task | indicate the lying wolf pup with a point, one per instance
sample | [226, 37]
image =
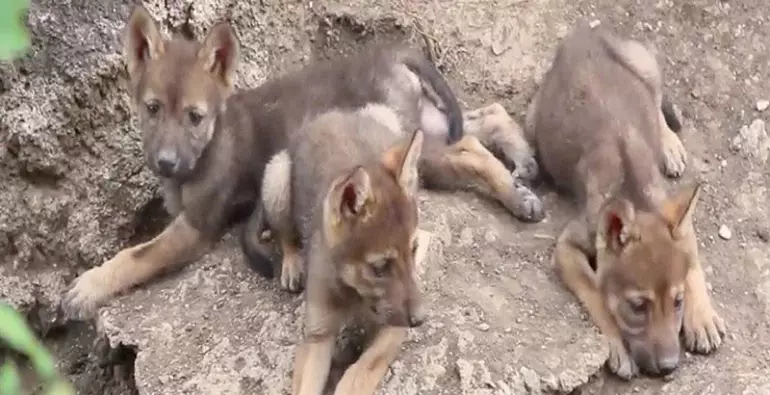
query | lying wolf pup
[603, 130]
[347, 188]
[209, 144]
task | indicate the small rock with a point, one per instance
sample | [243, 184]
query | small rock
[594, 23]
[725, 233]
[762, 105]
[483, 327]
[763, 235]
[531, 380]
[752, 141]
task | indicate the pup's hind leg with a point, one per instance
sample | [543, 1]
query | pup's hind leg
[641, 60]
[364, 376]
[468, 164]
[496, 130]
[575, 271]
[276, 199]
[674, 154]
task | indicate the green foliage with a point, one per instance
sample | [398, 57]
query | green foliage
[14, 37]
[16, 335]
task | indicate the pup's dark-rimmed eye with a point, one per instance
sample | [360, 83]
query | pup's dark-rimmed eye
[638, 306]
[152, 107]
[195, 117]
[679, 301]
[382, 268]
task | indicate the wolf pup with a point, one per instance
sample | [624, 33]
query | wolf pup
[347, 186]
[209, 145]
[602, 130]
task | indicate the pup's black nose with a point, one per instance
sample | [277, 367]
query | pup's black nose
[167, 163]
[667, 366]
[415, 320]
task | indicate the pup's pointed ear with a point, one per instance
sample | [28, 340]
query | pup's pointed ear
[616, 227]
[350, 197]
[221, 53]
[403, 160]
[142, 40]
[678, 209]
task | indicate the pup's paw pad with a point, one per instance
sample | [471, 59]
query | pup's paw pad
[292, 274]
[526, 205]
[620, 362]
[675, 156]
[704, 330]
[84, 296]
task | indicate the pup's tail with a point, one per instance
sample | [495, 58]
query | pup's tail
[258, 257]
[430, 76]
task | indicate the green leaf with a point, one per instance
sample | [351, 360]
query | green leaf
[16, 334]
[10, 383]
[14, 36]
[60, 387]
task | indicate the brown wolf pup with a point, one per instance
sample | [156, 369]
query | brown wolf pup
[599, 125]
[209, 144]
[347, 187]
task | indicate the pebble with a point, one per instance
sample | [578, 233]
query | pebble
[483, 327]
[762, 105]
[725, 232]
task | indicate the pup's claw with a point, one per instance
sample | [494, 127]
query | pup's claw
[704, 330]
[620, 362]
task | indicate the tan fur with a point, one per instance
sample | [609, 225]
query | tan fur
[600, 125]
[356, 215]
[179, 243]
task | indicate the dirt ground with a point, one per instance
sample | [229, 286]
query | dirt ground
[500, 315]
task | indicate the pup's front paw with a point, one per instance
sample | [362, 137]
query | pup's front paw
[703, 328]
[85, 295]
[620, 362]
[674, 155]
[525, 204]
[352, 381]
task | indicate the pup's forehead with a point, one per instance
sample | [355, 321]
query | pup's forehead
[652, 268]
[176, 76]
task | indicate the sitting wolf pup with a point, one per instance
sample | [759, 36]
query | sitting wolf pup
[602, 130]
[348, 188]
[209, 145]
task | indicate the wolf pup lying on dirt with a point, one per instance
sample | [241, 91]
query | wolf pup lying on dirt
[209, 145]
[603, 130]
[347, 187]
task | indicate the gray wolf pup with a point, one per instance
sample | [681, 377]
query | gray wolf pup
[602, 130]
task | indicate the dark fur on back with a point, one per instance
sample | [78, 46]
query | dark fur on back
[345, 83]
[258, 121]
[586, 112]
